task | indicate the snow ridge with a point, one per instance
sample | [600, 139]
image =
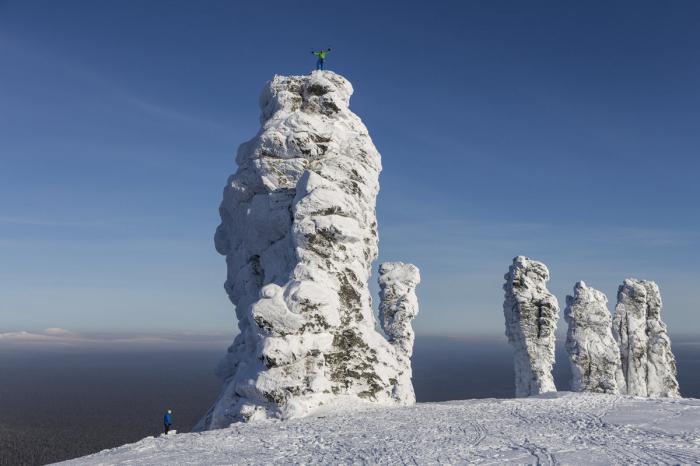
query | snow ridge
[562, 428]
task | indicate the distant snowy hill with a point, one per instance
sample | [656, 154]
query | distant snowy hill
[556, 428]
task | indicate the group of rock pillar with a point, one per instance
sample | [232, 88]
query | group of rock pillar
[629, 353]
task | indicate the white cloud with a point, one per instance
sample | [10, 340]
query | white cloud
[56, 337]
[19, 336]
[57, 331]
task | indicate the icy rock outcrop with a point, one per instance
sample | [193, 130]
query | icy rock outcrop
[398, 304]
[593, 352]
[648, 365]
[531, 313]
[299, 232]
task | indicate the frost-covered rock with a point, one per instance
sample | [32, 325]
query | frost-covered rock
[593, 352]
[299, 232]
[531, 313]
[648, 364]
[398, 304]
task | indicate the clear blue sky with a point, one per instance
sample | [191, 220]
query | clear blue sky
[567, 131]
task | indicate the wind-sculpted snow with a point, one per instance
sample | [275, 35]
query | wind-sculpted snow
[299, 232]
[648, 364]
[561, 428]
[398, 304]
[531, 313]
[593, 352]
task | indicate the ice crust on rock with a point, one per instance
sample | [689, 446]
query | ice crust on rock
[531, 314]
[593, 352]
[299, 232]
[398, 304]
[648, 364]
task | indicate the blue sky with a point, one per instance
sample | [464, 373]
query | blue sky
[565, 131]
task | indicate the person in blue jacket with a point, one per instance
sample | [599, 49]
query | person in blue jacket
[168, 421]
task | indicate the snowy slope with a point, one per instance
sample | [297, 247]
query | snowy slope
[554, 428]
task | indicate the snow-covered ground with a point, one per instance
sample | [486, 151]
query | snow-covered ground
[554, 428]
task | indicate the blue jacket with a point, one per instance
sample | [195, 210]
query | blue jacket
[167, 419]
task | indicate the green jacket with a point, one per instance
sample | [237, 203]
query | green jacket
[321, 54]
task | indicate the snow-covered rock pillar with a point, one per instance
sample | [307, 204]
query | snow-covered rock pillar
[299, 232]
[648, 364]
[593, 352]
[398, 304]
[531, 313]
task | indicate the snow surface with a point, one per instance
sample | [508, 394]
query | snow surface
[554, 428]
